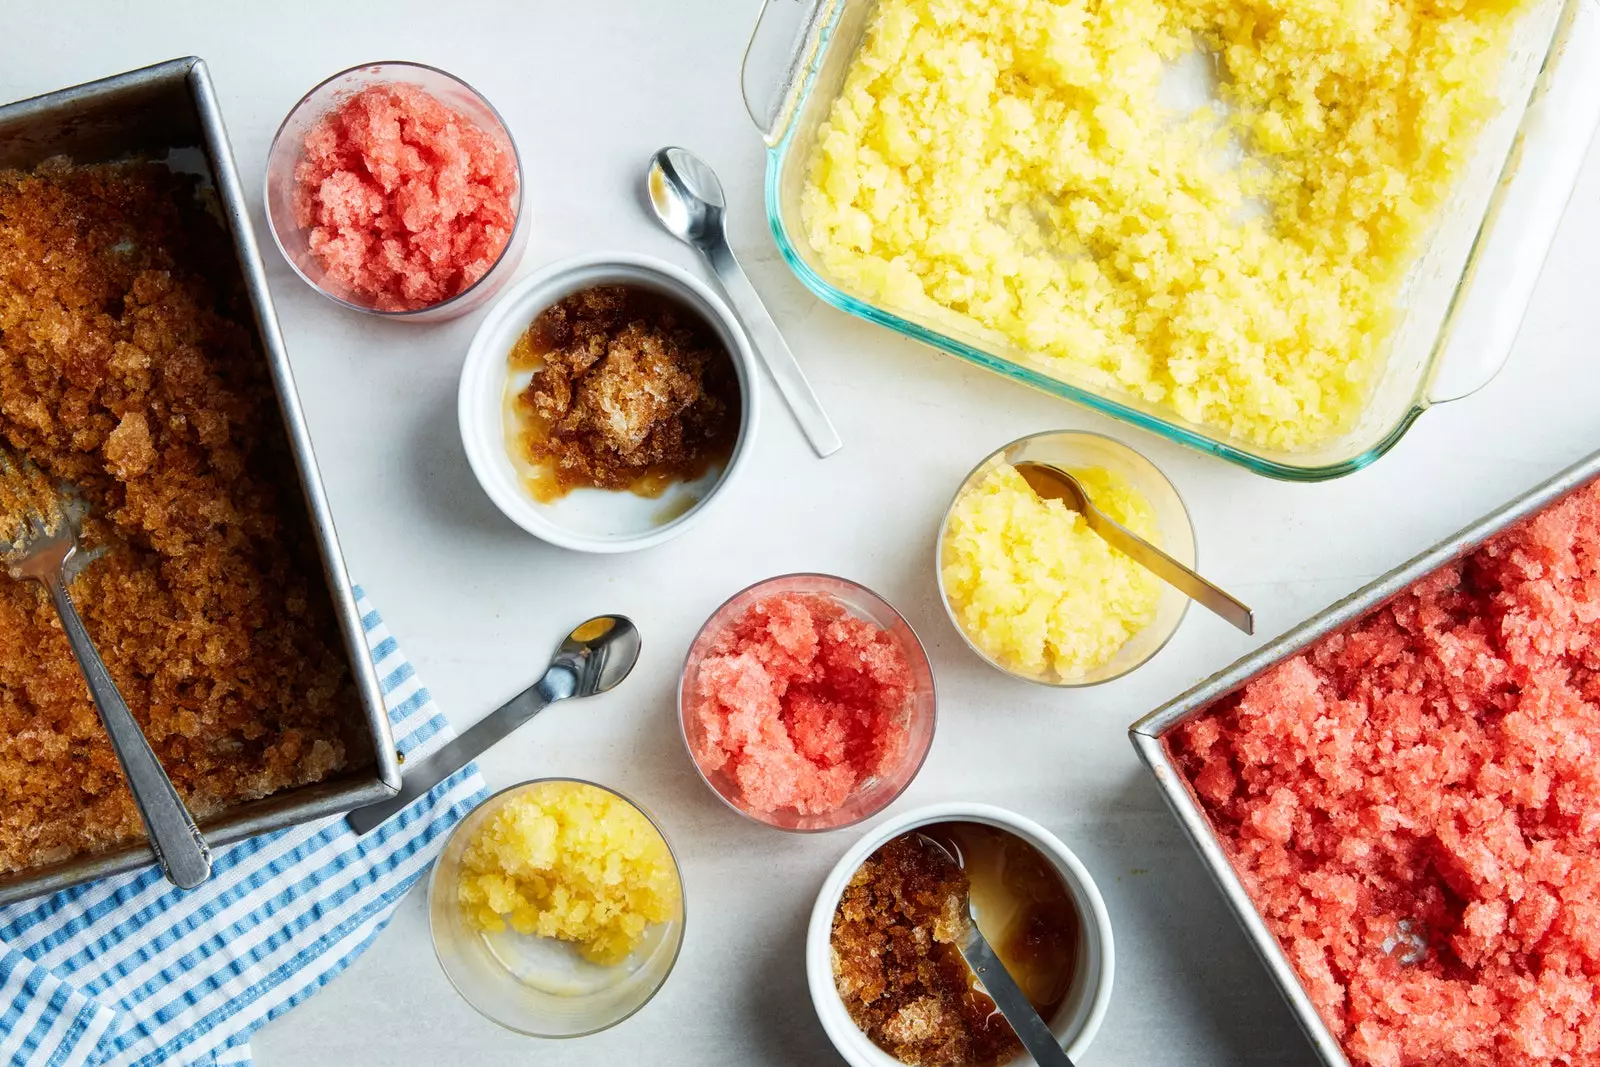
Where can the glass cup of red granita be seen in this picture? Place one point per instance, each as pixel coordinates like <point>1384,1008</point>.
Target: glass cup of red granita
<point>807,703</point>
<point>396,189</point>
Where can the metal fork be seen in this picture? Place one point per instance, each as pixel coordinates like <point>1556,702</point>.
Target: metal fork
<point>38,540</point>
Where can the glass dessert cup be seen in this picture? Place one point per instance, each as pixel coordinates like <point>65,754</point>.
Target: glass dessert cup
<point>536,986</point>
<point>286,152</point>
<point>1078,449</point>
<point>1463,300</point>
<point>870,795</point>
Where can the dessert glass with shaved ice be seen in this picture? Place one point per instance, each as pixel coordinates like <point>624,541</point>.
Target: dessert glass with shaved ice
<point>396,189</point>
<point>807,703</point>
<point>1034,592</point>
<point>557,908</point>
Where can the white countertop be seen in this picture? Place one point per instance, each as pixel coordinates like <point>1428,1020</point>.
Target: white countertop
<point>590,89</point>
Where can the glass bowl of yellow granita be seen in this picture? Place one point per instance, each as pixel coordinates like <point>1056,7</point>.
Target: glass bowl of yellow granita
<point>1039,595</point>
<point>556,908</point>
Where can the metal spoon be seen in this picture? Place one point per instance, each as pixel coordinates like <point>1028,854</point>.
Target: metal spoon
<point>43,547</point>
<point>688,200</point>
<point>1013,1003</point>
<point>595,657</point>
<point>1053,483</point>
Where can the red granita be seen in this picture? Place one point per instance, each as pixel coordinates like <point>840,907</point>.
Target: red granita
<point>798,701</point>
<point>407,201</point>
<point>1412,803</point>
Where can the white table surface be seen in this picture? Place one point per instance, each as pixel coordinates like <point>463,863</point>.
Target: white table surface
<point>590,88</point>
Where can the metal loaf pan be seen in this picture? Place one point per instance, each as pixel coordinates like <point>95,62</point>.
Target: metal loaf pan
<point>152,113</point>
<point>1149,734</point>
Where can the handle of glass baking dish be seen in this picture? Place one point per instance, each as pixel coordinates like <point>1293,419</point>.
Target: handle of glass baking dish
<point>1526,209</point>
<point>782,53</point>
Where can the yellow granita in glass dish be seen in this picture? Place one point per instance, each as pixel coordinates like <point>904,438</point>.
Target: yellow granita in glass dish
<point>572,861</point>
<point>1020,170</point>
<point>1033,587</point>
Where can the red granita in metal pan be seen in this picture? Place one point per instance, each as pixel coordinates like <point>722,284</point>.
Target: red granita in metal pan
<point>1413,805</point>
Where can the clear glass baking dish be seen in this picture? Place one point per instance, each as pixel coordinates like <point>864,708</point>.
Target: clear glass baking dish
<point>1463,300</point>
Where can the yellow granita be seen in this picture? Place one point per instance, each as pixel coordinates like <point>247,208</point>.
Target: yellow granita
<point>1012,168</point>
<point>571,861</point>
<point>1034,587</point>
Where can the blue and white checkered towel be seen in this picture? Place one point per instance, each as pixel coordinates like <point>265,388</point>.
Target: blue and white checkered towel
<point>130,971</point>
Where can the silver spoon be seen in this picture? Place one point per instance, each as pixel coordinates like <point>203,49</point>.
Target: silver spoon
<point>1053,483</point>
<point>42,547</point>
<point>595,657</point>
<point>1013,1003</point>
<point>688,200</point>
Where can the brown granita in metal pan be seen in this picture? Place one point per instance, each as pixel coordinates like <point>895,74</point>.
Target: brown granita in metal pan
<point>130,368</point>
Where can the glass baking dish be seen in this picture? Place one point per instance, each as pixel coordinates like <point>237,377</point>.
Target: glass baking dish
<point>1463,300</point>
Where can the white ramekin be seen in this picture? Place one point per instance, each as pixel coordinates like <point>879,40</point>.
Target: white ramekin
<point>588,520</point>
<point>1080,1014</point>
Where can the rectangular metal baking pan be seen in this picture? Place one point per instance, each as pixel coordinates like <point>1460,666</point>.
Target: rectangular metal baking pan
<point>150,113</point>
<point>1149,733</point>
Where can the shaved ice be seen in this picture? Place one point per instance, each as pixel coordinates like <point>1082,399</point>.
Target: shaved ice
<point>407,201</point>
<point>799,702</point>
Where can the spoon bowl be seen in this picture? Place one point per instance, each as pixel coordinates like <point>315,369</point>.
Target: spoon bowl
<point>600,653</point>
<point>1051,482</point>
<point>687,196</point>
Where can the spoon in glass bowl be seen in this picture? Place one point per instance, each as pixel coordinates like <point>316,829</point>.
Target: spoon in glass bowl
<point>1052,483</point>
<point>595,657</point>
<point>687,198</point>
<point>1008,997</point>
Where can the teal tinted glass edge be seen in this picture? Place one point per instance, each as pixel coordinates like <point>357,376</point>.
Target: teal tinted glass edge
<point>830,294</point>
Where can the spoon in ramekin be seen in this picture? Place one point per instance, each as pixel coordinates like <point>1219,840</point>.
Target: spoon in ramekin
<point>1008,997</point>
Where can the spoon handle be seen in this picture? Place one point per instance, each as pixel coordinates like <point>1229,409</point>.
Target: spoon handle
<point>180,849</point>
<point>1170,570</point>
<point>774,350</point>
<point>1012,1001</point>
<point>418,779</point>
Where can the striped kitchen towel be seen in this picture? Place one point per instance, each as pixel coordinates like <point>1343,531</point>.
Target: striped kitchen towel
<point>130,971</point>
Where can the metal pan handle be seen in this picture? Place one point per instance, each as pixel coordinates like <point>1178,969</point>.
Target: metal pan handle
<point>780,58</point>
<point>1526,208</point>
